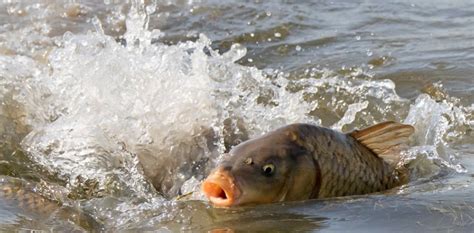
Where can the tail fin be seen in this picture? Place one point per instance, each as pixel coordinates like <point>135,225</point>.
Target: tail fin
<point>385,139</point>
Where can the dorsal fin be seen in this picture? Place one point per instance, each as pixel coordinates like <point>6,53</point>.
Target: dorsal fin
<point>385,139</point>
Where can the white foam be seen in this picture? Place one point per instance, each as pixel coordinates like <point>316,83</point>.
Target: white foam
<point>437,126</point>
<point>111,101</point>
<point>98,105</point>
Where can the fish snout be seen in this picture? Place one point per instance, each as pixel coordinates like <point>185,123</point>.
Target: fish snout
<point>220,188</point>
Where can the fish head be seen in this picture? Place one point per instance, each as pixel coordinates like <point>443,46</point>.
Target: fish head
<point>271,168</point>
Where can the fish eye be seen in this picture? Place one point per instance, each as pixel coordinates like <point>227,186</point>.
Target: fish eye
<point>268,169</point>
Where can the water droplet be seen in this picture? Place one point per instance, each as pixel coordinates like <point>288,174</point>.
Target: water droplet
<point>98,25</point>
<point>369,53</point>
<point>150,9</point>
<point>235,52</point>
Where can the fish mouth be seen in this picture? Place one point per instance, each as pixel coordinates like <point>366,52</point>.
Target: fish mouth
<point>221,189</point>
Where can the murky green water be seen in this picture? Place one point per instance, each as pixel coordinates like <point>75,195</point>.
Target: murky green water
<point>101,100</point>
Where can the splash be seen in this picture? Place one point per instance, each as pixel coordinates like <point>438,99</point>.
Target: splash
<point>111,118</point>
<point>350,114</point>
<point>104,106</point>
<point>439,125</point>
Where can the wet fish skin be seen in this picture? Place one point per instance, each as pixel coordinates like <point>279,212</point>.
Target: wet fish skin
<point>24,196</point>
<point>27,200</point>
<point>346,166</point>
<point>310,162</point>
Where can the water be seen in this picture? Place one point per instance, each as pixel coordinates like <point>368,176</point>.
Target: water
<point>102,102</point>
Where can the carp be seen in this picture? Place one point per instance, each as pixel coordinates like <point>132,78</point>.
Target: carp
<point>25,199</point>
<point>303,161</point>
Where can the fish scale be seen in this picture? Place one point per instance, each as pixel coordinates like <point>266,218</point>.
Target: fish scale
<point>28,200</point>
<point>350,168</point>
<point>26,197</point>
<point>279,165</point>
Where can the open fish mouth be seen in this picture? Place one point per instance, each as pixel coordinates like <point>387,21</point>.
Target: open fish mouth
<point>220,189</point>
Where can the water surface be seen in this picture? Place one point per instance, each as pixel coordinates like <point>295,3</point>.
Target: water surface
<point>98,97</point>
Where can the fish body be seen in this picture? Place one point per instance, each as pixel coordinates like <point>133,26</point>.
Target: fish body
<point>303,161</point>
<point>24,196</point>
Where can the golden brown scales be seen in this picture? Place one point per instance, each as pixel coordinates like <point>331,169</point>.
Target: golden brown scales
<point>302,161</point>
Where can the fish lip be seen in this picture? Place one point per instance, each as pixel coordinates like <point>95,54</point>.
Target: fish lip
<point>221,180</point>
